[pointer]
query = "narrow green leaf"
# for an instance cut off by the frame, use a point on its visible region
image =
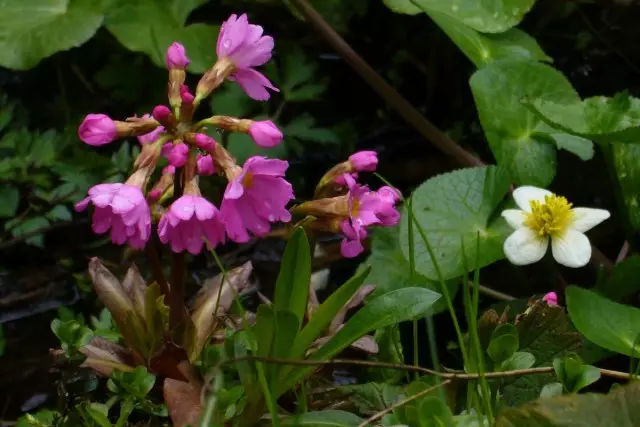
(292, 286)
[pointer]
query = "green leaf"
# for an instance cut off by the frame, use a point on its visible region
(518, 360)
(325, 313)
(618, 408)
(328, 418)
(35, 29)
(59, 213)
(483, 16)
(135, 384)
(623, 280)
(292, 286)
(303, 128)
(458, 207)
(241, 146)
(390, 351)
(407, 7)
(390, 270)
(616, 326)
(373, 397)
(581, 147)
(94, 413)
(149, 26)
(9, 200)
(72, 335)
(29, 226)
(434, 412)
(517, 136)
(551, 390)
(44, 417)
(482, 49)
(231, 100)
(388, 309)
(275, 331)
(627, 170)
(546, 333)
(504, 343)
(574, 374)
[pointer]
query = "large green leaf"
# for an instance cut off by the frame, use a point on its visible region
(516, 136)
(150, 26)
(390, 270)
(328, 418)
(487, 16)
(627, 169)
(608, 324)
(407, 7)
(388, 309)
(598, 118)
(619, 408)
(9, 200)
(623, 281)
(292, 286)
(482, 49)
(31, 30)
(455, 208)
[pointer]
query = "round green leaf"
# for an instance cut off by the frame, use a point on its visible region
(32, 30)
(515, 134)
(613, 326)
(149, 26)
(627, 169)
(486, 16)
(453, 209)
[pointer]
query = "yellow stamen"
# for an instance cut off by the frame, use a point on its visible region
(550, 218)
(247, 180)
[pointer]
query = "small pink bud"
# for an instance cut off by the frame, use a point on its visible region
(169, 170)
(97, 130)
(205, 142)
(179, 155)
(265, 133)
(185, 95)
(166, 149)
(161, 113)
(551, 298)
(205, 165)
(364, 161)
(154, 194)
(176, 56)
(341, 181)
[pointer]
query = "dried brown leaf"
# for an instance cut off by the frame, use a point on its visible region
(183, 402)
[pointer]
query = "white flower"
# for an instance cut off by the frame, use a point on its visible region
(545, 216)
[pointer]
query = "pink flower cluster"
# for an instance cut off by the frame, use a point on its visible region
(257, 193)
(366, 208)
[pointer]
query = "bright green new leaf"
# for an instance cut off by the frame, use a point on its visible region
(9, 200)
(627, 169)
(390, 270)
(407, 7)
(504, 343)
(574, 374)
(613, 326)
(482, 49)
(35, 29)
(292, 286)
(328, 418)
(149, 26)
(518, 360)
(599, 118)
(454, 208)
(619, 408)
(137, 383)
(492, 16)
(515, 134)
(388, 309)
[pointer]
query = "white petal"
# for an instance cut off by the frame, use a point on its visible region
(524, 247)
(572, 249)
(514, 217)
(523, 195)
(587, 218)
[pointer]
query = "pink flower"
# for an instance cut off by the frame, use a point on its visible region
(340, 178)
(179, 155)
(258, 196)
(387, 212)
(205, 142)
(351, 245)
(166, 149)
(551, 298)
(97, 130)
(121, 208)
(151, 136)
(205, 165)
(265, 133)
(244, 45)
(176, 56)
(188, 222)
(364, 161)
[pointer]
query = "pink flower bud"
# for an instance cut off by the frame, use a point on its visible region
(185, 95)
(364, 161)
(97, 130)
(205, 165)
(176, 56)
(205, 142)
(551, 298)
(341, 181)
(166, 149)
(154, 194)
(161, 113)
(265, 133)
(179, 155)
(169, 170)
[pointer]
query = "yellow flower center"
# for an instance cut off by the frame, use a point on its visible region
(550, 218)
(247, 180)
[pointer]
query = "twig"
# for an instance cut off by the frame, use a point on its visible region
(624, 251)
(156, 265)
(395, 406)
(176, 292)
(408, 112)
(493, 293)
(445, 375)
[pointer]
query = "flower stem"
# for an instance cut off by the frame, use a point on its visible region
(177, 310)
